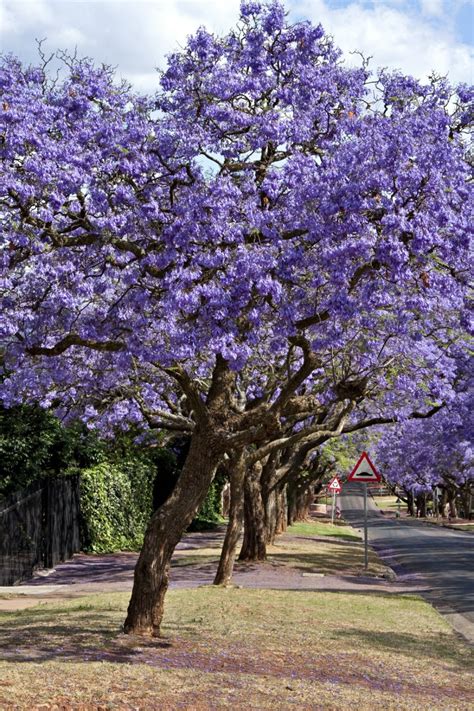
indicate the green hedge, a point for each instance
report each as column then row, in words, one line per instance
column 116, row 504
column 117, row 476
column 210, row 513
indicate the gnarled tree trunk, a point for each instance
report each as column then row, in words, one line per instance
column 282, row 523
column 167, row 525
column 453, row 510
column 254, row 544
column 270, row 498
column 299, row 504
column 236, row 513
column 275, row 502
column 421, row 505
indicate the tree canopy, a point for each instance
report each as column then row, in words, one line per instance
column 273, row 244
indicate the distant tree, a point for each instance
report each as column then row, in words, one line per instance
column 418, row 455
column 34, row 445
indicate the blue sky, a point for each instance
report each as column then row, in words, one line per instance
column 416, row 36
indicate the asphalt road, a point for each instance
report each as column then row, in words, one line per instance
column 439, row 559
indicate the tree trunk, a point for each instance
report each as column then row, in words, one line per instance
column 234, row 527
column 282, row 510
column 304, row 500
column 421, row 505
column 299, row 502
column 453, row 512
column 444, row 502
column 466, row 501
column 269, row 494
column 167, row 525
column 271, row 506
column 254, row 545
column 292, row 505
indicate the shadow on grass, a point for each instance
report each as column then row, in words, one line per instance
column 333, row 538
column 55, row 634
column 196, row 561
column 320, row 534
column 83, row 634
column 325, row 561
column 443, row 648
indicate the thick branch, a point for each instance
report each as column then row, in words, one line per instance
column 311, row 435
column 391, row 420
column 310, row 362
column 74, row 340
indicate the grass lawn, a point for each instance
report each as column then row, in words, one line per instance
column 389, row 503
column 469, row 527
column 310, row 546
column 324, row 548
column 237, row 649
column 323, row 528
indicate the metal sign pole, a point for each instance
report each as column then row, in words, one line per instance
column 333, row 506
column 363, row 472
column 366, row 550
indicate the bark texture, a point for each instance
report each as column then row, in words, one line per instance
column 166, row 527
column 234, row 528
column 254, row 544
column 299, row 504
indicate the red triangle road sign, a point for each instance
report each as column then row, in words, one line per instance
column 335, row 485
column 364, row 470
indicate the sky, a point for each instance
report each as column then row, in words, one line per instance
column 415, row 36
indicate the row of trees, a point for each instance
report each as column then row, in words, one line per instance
column 268, row 253
column 434, row 459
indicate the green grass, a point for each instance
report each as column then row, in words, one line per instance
column 389, row 503
column 323, row 528
column 308, row 546
column 321, row 547
column 239, row 649
column 469, row 527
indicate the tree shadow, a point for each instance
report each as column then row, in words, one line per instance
column 443, row 647
column 334, row 538
column 333, row 562
column 78, row 635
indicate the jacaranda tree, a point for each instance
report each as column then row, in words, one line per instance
column 272, row 239
column 419, row 455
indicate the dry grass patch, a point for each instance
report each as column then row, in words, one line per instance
column 325, row 548
column 237, row 648
column 310, row 546
column 328, row 558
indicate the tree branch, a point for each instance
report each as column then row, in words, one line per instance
column 75, row 340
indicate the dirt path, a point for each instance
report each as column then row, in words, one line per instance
column 86, row 574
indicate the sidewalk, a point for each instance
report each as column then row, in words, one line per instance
column 88, row 574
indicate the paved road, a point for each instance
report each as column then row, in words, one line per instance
column 440, row 559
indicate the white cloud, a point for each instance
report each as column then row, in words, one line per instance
column 133, row 35
column 70, row 37
column 395, row 37
column 433, row 8
column 136, row 35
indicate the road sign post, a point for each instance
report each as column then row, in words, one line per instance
column 364, row 472
column 335, row 487
column 366, row 547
